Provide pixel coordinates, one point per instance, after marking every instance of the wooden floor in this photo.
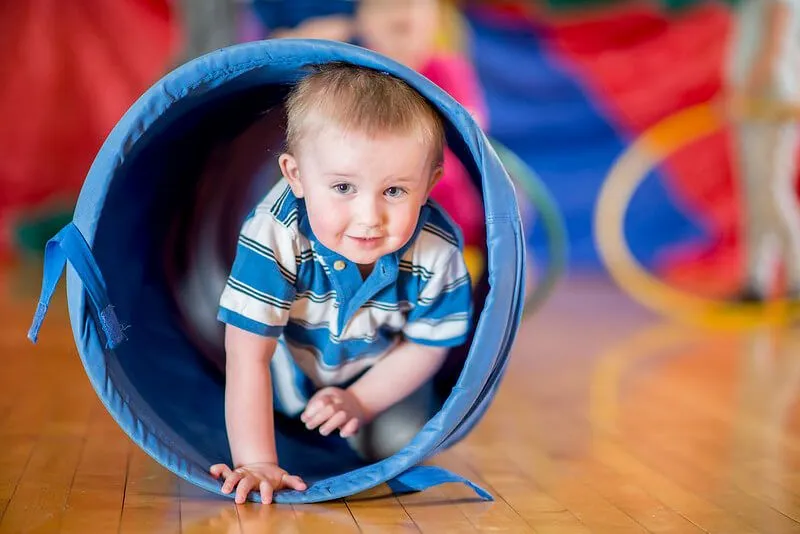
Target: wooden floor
(607, 421)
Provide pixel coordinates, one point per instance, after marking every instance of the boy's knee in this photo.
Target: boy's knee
(391, 431)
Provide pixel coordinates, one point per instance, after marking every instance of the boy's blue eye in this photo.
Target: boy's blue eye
(394, 192)
(343, 188)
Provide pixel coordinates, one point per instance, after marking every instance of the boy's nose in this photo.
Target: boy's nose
(369, 214)
(369, 219)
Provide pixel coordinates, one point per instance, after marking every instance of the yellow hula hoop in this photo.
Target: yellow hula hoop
(655, 145)
(764, 110)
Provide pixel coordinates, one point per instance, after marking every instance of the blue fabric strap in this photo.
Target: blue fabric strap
(423, 477)
(69, 245)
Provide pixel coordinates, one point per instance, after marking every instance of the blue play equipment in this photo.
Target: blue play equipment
(155, 229)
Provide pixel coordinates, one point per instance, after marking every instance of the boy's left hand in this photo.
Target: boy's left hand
(333, 408)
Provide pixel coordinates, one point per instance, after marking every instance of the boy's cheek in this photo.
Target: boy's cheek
(408, 219)
(332, 216)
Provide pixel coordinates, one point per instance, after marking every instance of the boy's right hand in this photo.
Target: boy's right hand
(267, 477)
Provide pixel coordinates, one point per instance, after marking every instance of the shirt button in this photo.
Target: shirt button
(338, 265)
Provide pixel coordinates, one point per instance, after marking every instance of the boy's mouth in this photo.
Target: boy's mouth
(366, 241)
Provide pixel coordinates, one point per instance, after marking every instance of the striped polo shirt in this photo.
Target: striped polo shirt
(331, 323)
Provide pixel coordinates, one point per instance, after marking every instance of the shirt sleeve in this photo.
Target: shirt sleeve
(443, 312)
(261, 286)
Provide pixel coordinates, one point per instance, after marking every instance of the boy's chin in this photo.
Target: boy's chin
(363, 259)
(366, 255)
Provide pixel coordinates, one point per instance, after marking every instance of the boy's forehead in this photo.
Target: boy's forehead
(342, 142)
(328, 129)
(333, 150)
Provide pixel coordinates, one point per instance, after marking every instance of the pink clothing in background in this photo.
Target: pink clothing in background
(456, 192)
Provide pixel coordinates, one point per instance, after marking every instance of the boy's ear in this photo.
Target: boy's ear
(291, 172)
(435, 177)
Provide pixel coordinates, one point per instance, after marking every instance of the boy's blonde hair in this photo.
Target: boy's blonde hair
(364, 100)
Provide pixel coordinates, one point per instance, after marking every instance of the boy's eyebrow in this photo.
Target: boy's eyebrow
(401, 180)
(389, 180)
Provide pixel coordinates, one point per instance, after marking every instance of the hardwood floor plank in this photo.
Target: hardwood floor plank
(631, 426)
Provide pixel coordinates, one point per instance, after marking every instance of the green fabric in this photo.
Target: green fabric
(32, 232)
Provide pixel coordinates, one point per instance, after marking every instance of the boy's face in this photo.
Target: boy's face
(363, 194)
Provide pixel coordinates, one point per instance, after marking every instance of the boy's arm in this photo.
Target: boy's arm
(248, 397)
(396, 376)
(249, 420)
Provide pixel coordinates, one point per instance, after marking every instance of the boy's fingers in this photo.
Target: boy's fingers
(337, 420)
(320, 417)
(266, 492)
(317, 403)
(294, 482)
(350, 428)
(218, 470)
(231, 480)
(244, 487)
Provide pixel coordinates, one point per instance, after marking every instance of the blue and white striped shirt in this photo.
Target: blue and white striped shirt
(332, 324)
